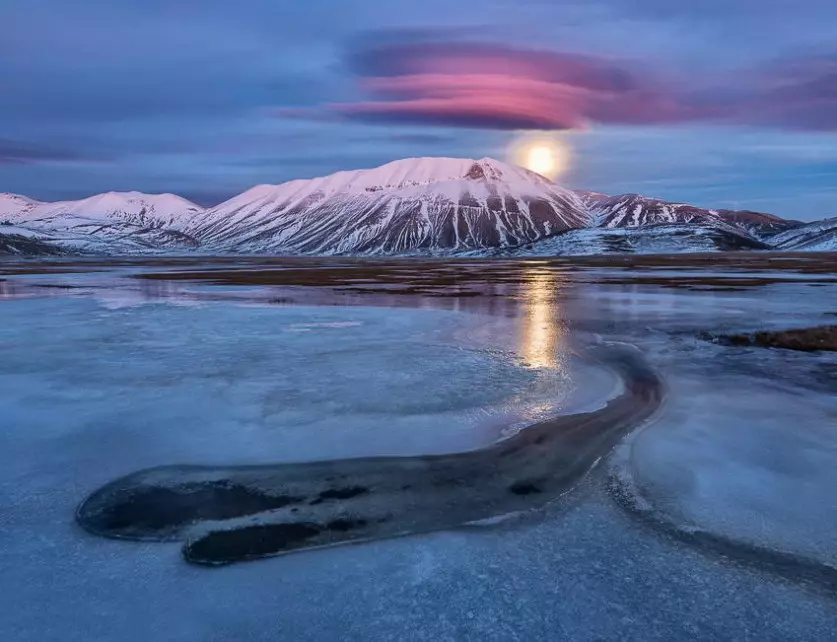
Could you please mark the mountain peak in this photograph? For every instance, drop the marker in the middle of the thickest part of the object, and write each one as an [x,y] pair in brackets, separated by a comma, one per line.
[148,210]
[8,196]
[426,170]
[407,174]
[424,205]
[133,196]
[410,205]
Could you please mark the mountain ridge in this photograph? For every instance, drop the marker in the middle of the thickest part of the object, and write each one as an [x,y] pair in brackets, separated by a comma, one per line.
[115,222]
[422,204]
[636,210]
[127,207]
[426,206]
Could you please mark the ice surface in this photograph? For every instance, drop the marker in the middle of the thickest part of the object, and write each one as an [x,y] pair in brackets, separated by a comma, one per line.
[579,572]
[747,446]
[95,387]
[269,383]
[757,465]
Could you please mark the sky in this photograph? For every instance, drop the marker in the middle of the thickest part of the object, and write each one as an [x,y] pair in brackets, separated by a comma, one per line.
[720,103]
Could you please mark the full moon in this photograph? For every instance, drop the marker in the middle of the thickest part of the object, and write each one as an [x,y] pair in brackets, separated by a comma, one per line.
[548,156]
[540,159]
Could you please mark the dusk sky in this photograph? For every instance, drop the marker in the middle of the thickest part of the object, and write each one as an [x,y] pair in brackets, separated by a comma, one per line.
[724,103]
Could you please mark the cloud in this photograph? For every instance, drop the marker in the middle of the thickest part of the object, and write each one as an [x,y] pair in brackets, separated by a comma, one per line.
[485,86]
[797,94]
[182,96]
[16,153]
[499,87]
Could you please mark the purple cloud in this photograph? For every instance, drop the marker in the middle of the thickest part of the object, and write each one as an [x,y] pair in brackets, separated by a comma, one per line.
[797,94]
[14,153]
[499,87]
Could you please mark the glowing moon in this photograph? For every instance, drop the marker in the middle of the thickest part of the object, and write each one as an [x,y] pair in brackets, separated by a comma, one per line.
[540,159]
[544,155]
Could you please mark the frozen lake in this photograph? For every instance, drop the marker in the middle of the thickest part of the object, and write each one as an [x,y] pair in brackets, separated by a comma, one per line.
[714,520]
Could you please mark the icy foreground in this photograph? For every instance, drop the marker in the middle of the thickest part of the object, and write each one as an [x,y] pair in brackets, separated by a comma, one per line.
[755,468]
[106,381]
[228,514]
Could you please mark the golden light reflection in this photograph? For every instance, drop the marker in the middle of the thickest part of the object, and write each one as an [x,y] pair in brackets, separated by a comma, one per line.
[544,154]
[542,329]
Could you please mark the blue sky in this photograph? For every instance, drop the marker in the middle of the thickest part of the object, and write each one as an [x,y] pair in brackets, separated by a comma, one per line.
[720,103]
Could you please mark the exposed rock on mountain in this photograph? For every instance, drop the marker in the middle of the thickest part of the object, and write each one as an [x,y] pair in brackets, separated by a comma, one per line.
[416,205]
[819,236]
[635,210]
[669,238]
[113,223]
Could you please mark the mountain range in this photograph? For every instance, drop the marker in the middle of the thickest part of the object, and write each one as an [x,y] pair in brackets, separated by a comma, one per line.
[415,206]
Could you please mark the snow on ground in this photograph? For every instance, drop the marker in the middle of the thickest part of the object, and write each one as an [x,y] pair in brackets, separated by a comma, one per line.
[80,234]
[810,234]
[677,238]
[112,207]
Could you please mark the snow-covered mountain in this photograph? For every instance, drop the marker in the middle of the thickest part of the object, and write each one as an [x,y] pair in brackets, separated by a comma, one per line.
[669,238]
[15,207]
[635,210]
[145,210]
[435,206]
[416,205]
[17,241]
[95,238]
[115,222]
[758,224]
[819,236]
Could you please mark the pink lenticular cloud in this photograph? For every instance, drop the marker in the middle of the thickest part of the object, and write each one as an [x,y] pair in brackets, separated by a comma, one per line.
[498,87]
[466,99]
[503,88]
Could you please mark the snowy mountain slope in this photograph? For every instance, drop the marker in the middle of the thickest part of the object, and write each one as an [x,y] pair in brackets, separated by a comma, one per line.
[17,241]
[758,224]
[635,210]
[14,207]
[146,210]
[416,205]
[671,238]
[819,236]
[134,236]
[88,237]
[141,235]
[129,221]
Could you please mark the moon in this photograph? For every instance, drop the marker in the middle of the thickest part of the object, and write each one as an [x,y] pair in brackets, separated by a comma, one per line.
[547,156]
[541,159]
